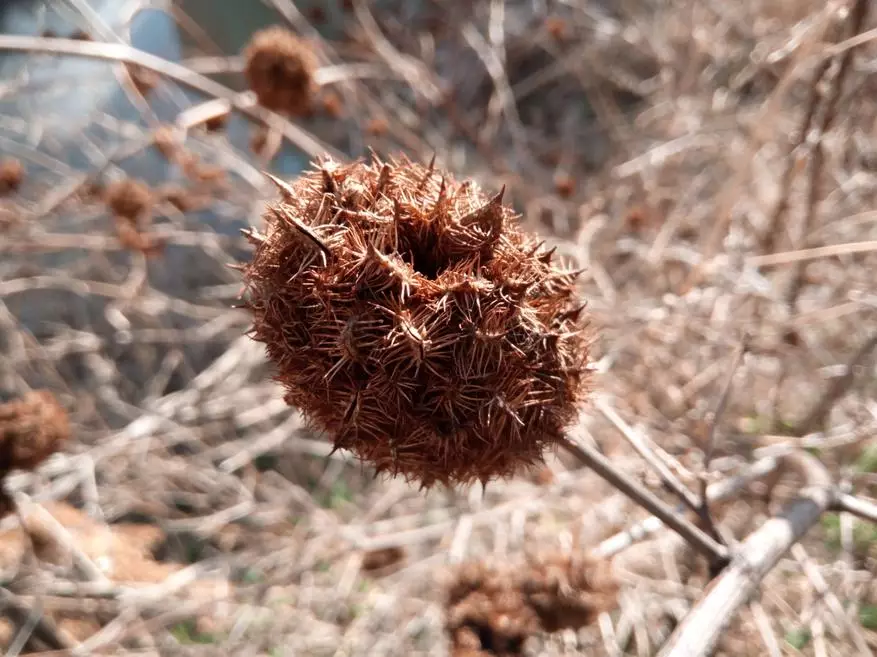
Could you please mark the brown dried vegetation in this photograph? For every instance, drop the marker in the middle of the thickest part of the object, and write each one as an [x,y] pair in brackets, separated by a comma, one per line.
[492,611]
[411,319]
[280,70]
[216,122]
[31,429]
[380,560]
[124,552]
[128,199]
[11,175]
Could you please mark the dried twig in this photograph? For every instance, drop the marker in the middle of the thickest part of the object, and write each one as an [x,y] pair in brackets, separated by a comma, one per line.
[44,629]
[838,387]
[118,52]
[715,552]
[699,632]
[857,17]
[861,508]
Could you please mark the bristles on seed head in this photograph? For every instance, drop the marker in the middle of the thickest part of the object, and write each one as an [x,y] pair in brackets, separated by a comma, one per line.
[411,319]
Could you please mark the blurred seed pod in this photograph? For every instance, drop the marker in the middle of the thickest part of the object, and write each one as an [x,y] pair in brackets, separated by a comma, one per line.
[492,610]
[31,429]
[280,70]
[410,319]
[11,175]
[128,199]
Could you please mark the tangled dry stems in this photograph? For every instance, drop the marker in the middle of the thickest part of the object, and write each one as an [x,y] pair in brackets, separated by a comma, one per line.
[698,165]
[412,320]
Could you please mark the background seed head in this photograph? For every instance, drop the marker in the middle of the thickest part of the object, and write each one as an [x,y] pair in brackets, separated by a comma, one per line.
[280,70]
[411,319]
[31,429]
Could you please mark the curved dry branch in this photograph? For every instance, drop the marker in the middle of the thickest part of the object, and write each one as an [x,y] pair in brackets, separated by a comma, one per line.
[122,53]
[699,632]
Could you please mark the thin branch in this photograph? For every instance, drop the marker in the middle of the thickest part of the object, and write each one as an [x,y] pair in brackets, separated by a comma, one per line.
[864,509]
[699,632]
[703,509]
[43,628]
[836,389]
[697,538]
[857,17]
[648,455]
[119,52]
[716,492]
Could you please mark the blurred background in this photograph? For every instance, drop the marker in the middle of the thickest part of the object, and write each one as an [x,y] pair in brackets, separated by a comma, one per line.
[711,167]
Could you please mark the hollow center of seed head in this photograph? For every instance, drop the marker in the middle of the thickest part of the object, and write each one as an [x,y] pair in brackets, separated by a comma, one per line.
[426,260]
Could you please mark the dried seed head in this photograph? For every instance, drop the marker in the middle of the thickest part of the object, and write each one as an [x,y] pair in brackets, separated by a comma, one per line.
[493,610]
[128,198]
[410,319]
[31,429]
[11,175]
[216,122]
[280,70]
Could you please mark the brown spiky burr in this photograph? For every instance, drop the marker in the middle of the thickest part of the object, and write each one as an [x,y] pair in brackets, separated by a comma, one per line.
[410,318]
[11,175]
[492,610]
[128,199]
[280,70]
[32,428]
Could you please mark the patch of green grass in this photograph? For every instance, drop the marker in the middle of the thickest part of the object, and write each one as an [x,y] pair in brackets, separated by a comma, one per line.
[187,633]
[867,462]
[798,638]
[339,495]
[265,462]
[868,617]
[252,576]
[864,533]
[756,424]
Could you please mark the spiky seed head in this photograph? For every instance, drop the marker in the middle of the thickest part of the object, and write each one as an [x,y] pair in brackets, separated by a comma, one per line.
[11,175]
[128,198]
[32,428]
[410,319]
[493,609]
[280,70]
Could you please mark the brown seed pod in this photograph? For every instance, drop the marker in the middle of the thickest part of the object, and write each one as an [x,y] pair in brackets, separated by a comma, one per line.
[31,429]
[135,240]
[411,319]
[280,70]
[11,175]
[493,610]
[216,122]
[128,199]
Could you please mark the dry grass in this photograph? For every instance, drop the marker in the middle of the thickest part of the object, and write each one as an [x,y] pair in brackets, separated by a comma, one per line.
[656,144]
